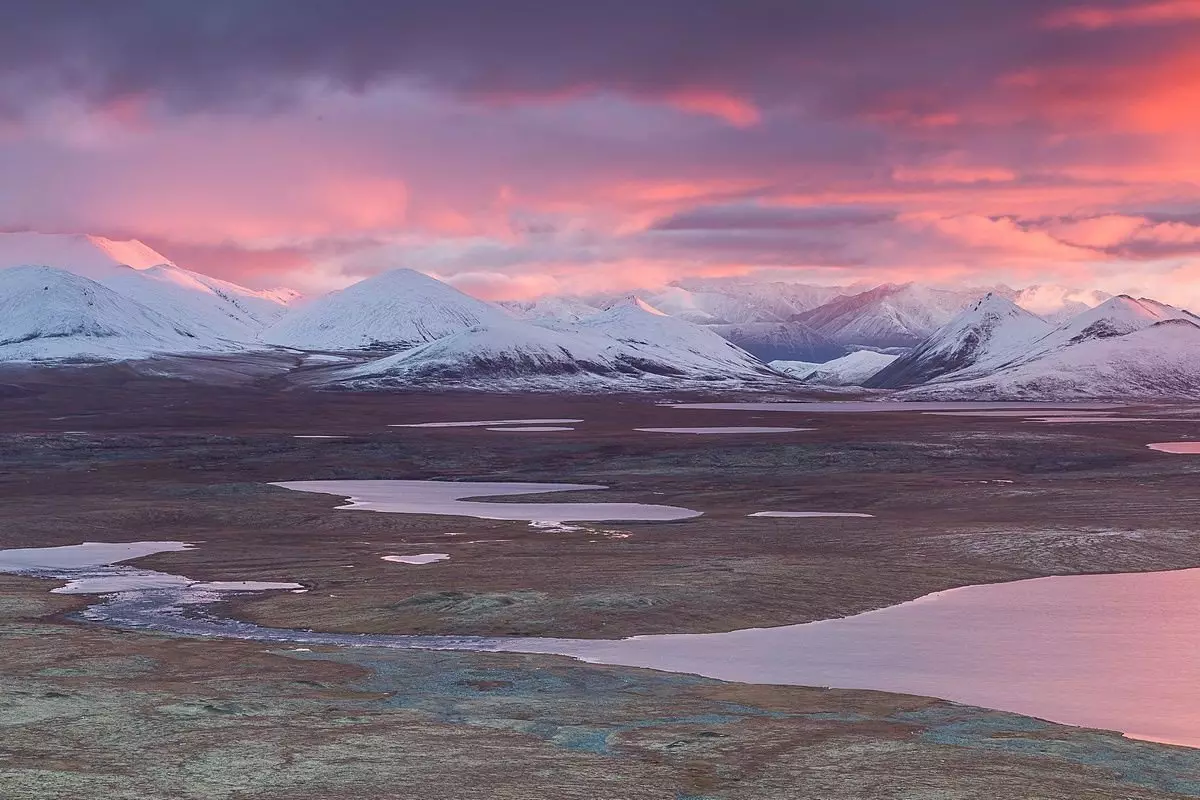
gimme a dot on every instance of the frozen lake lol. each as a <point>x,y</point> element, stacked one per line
<point>450,498</point>
<point>533,428</point>
<point>96,568</point>
<point>803,514</point>
<point>725,430</point>
<point>486,422</point>
<point>886,406</point>
<point>418,560</point>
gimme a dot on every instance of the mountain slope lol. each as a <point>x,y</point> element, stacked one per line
<point>92,257</point>
<point>692,348</point>
<point>220,308</point>
<point>134,270</point>
<point>49,314</point>
<point>854,369</point>
<point>550,309</point>
<point>733,301</point>
<point>1160,361</point>
<point>775,341</point>
<point>889,315</point>
<point>1116,317</point>
<point>992,328</point>
<point>1057,304</point>
<point>390,311</point>
<point>519,356</point>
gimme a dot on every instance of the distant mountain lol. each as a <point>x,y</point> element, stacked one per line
<point>772,341</point>
<point>734,300</point>
<point>854,369</point>
<point>692,348</point>
<point>1057,304</point>
<point>889,315</point>
<point>132,269</point>
<point>391,311</point>
<point>92,257</point>
<point>549,309</point>
<point>992,328</point>
<point>49,314</point>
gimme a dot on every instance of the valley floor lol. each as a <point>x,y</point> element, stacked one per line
<point>109,456</point>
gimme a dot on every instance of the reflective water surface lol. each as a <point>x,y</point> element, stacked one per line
<point>1181,448</point>
<point>1119,652</point>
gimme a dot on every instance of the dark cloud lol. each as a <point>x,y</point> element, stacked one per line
<point>753,217</point>
<point>849,54</point>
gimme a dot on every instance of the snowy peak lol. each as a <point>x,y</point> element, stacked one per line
<point>198,302</point>
<point>519,356</point>
<point>52,314</point>
<point>991,329</point>
<point>1157,361</point>
<point>1057,304</point>
<point>93,257</point>
<point>550,310</point>
<point>499,355</point>
<point>390,311</point>
<point>632,304</point>
<point>738,301</point>
<point>1118,316</point>
<point>888,315</point>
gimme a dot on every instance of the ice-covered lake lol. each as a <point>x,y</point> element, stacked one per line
<point>891,406</point>
<point>734,429</point>
<point>450,498</point>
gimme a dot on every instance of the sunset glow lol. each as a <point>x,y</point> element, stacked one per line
<point>992,141</point>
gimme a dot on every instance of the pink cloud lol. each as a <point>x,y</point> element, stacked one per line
<point>734,110</point>
<point>1164,12</point>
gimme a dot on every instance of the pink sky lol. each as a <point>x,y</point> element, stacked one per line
<point>967,142</point>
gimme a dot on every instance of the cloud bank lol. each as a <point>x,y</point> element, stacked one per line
<point>519,147</point>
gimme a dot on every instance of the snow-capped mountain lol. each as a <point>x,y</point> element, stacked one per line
<point>735,301</point>
<point>691,348</point>
<point>991,329</point>
<point>1124,347</point>
<point>134,270</point>
<point>853,369</point>
<point>391,311</point>
<point>1116,317</point>
<point>50,314</point>
<point>772,341</point>
<point>92,257</point>
<point>1155,362</point>
<point>1057,304</point>
<point>550,309</point>
<point>888,315</point>
<point>516,355</point>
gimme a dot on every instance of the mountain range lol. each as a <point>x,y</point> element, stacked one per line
<point>67,300</point>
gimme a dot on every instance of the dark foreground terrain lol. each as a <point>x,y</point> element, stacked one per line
<point>109,456</point>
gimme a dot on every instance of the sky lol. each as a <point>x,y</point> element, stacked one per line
<point>524,147</point>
